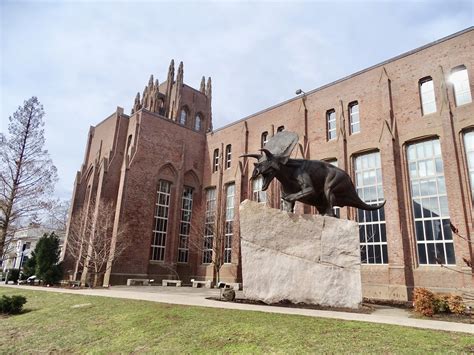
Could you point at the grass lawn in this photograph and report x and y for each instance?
(51, 324)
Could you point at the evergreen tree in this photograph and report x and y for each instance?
(46, 254)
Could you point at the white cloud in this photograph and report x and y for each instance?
(82, 59)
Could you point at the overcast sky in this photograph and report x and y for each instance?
(83, 59)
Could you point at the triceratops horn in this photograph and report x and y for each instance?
(256, 156)
(267, 153)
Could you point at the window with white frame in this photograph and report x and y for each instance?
(229, 223)
(257, 194)
(228, 156)
(215, 163)
(161, 221)
(354, 117)
(183, 116)
(430, 203)
(372, 230)
(331, 124)
(264, 139)
(469, 147)
(427, 96)
(337, 210)
(197, 122)
(460, 80)
(209, 226)
(185, 224)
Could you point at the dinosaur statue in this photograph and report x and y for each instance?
(313, 182)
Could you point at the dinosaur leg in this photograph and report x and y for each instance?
(304, 180)
(287, 205)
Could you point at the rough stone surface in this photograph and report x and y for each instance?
(301, 258)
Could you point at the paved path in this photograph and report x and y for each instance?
(197, 297)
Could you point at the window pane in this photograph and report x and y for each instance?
(372, 231)
(428, 102)
(430, 203)
(469, 148)
(462, 91)
(161, 221)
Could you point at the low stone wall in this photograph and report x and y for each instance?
(301, 258)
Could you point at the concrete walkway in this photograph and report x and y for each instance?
(197, 297)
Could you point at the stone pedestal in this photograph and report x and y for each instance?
(300, 258)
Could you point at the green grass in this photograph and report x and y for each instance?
(49, 324)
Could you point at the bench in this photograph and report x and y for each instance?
(206, 284)
(133, 282)
(177, 283)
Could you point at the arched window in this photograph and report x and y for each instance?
(460, 81)
(198, 122)
(160, 229)
(183, 116)
(228, 156)
(427, 96)
(281, 129)
(264, 139)
(354, 117)
(331, 124)
(215, 166)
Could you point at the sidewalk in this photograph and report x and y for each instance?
(197, 297)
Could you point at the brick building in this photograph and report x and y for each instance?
(403, 129)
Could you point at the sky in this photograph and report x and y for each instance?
(82, 59)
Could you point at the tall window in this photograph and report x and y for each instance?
(161, 221)
(185, 224)
(460, 81)
(337, 210)
(197, 123)
(469, 146)
(427, 95)
(264, 139)
(372, 231)
(430, 203)
(228, 156)
(354, 117)
(331, 124)
(257, 194)
(281, 129)
(215, 163)
(229, 223)
(209, 225)
(183, 115)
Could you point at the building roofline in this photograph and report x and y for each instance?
(350, 76)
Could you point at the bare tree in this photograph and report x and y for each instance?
(56, 215)
(89, 240)
(27, 174)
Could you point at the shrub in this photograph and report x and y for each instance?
(46, 255)
(440, 304)
(456, 304)
(11, 305)
(13, 275)
(423, 301)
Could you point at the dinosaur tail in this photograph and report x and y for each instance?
(355, 201)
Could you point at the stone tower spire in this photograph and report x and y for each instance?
(136, 105)
(169, 87)
(178, 89)
(145, 97)
(209, 100)
(180, 76)
(203, 85)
